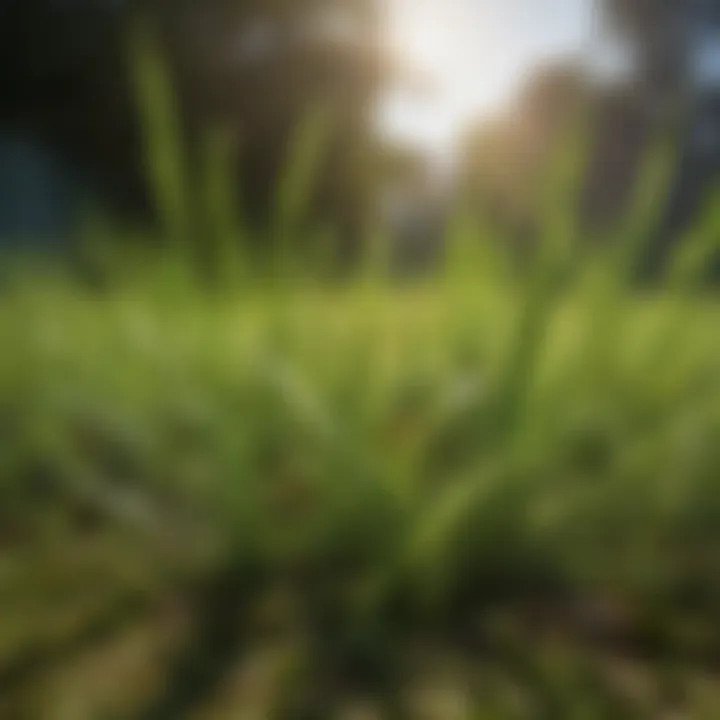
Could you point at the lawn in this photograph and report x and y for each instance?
(485, 494)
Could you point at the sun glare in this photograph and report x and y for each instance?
(452, 51)
(471, 56)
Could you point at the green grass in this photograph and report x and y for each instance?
(490, 494)
(514, 478)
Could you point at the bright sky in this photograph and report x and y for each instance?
(476, 52)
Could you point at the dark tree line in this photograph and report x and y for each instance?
(677, 45)
(62, 81)
(254, 68)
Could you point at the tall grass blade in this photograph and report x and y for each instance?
(695, 252)
(641, 222)
(556, 246)
(221, 205)
(560, 197)
(298, 182)
(164, 154)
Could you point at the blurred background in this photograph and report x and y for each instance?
(431, 100)
(491, 492)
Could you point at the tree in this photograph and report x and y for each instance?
(252, 67)
(676, 44)
(62, 82)
(655, 29)
(506, 159)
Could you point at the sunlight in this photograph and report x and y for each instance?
(454, 53)
(471, 56)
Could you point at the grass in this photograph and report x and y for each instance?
(503, 486)
(488, 494)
